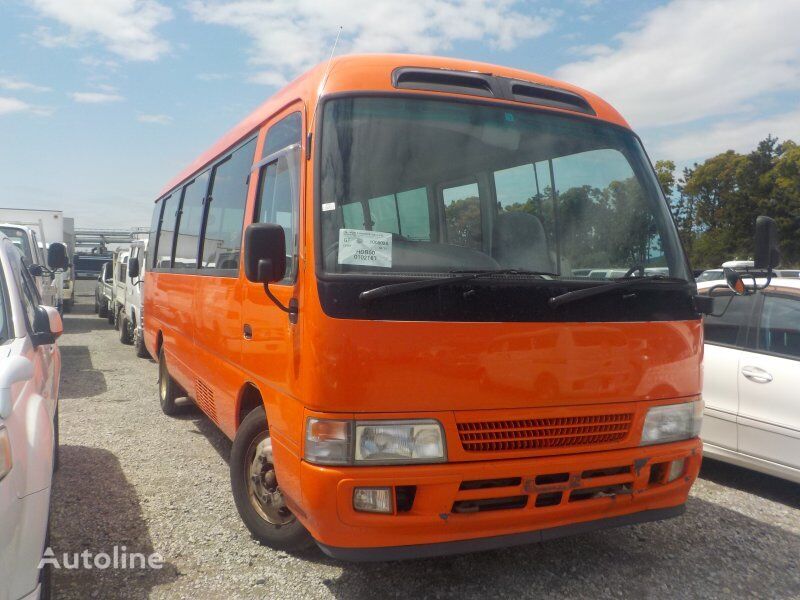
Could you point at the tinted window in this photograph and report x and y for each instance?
(725, 329)
(223, 237)
(278, 200)
(167, 232)
(285, 132)
(154, 225)
(191, 219)
(780, 325)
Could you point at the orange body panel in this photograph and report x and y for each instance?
(452, 371)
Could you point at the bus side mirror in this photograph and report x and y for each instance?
(133, 267)
(57, 256)
(767, 254)
(264, 253)
(35, 270)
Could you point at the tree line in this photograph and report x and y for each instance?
(715, 204)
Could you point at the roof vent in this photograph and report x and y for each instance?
(532, 93)
(441, 80)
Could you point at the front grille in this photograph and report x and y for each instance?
(533, 434)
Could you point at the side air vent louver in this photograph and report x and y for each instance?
(523, 91)
(441, 80)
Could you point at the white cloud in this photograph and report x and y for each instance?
(693, 59)
(15, 105)
(730, 135)
(95, 62)
(13, 84)
(155, 119)
(95, 97)
(289, 36)
(125, 27)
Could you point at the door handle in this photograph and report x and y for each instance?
(757, 375)
(248, 331)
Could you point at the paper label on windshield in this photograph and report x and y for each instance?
(365, 248)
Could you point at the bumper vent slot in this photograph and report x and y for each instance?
(533, 434)
(473, 506)
(485, 484)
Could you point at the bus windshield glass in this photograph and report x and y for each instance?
(420, 186)
(20, 239)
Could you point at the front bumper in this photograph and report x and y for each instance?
(462, 507)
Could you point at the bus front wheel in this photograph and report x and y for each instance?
(256, 491)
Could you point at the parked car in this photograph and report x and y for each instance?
(132, 315)
(30, 366)
(102, 290)
(120, 275)
(752, 374)
(710, 275)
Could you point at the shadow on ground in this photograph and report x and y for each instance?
(82, 319)
(752, 482)
(95, 508)
(79, 378)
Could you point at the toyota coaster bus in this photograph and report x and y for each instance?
(375, 285)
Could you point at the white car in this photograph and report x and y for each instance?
(30, 366)
(752, 378)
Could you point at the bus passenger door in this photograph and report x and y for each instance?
(270, 350)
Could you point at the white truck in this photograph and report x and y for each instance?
(131, 320)
(46, 227)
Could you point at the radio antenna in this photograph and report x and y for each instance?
(320, 91)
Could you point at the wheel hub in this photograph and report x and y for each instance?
(262, 484)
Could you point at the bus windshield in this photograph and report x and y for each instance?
(421, 186)
(19, 238)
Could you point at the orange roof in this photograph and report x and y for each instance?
(372, 72)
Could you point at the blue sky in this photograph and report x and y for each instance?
(103, 101)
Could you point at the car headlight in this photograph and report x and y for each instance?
(5, 453)
(672, 422)
(374, 442)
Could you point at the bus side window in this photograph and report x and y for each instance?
(223, 231)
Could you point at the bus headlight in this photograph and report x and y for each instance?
(333, 442)
(5, 453)
(399, 441)
(672, 423)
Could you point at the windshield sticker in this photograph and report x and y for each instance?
(365, 248)
(328, 206)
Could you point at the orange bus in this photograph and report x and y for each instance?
(437, 305)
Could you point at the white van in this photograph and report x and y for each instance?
(30, 366)
(131, 318)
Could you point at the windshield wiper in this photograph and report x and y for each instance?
(623, 282)
(458, 276)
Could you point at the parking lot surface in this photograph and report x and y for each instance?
(132, 477)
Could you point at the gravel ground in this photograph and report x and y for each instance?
(132, 477)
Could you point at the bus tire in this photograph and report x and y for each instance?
(124, 329)
(255, 488)
(168, 388)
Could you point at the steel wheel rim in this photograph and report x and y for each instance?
(262, 485)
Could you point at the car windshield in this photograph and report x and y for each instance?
(413, 186)
(20, 239)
